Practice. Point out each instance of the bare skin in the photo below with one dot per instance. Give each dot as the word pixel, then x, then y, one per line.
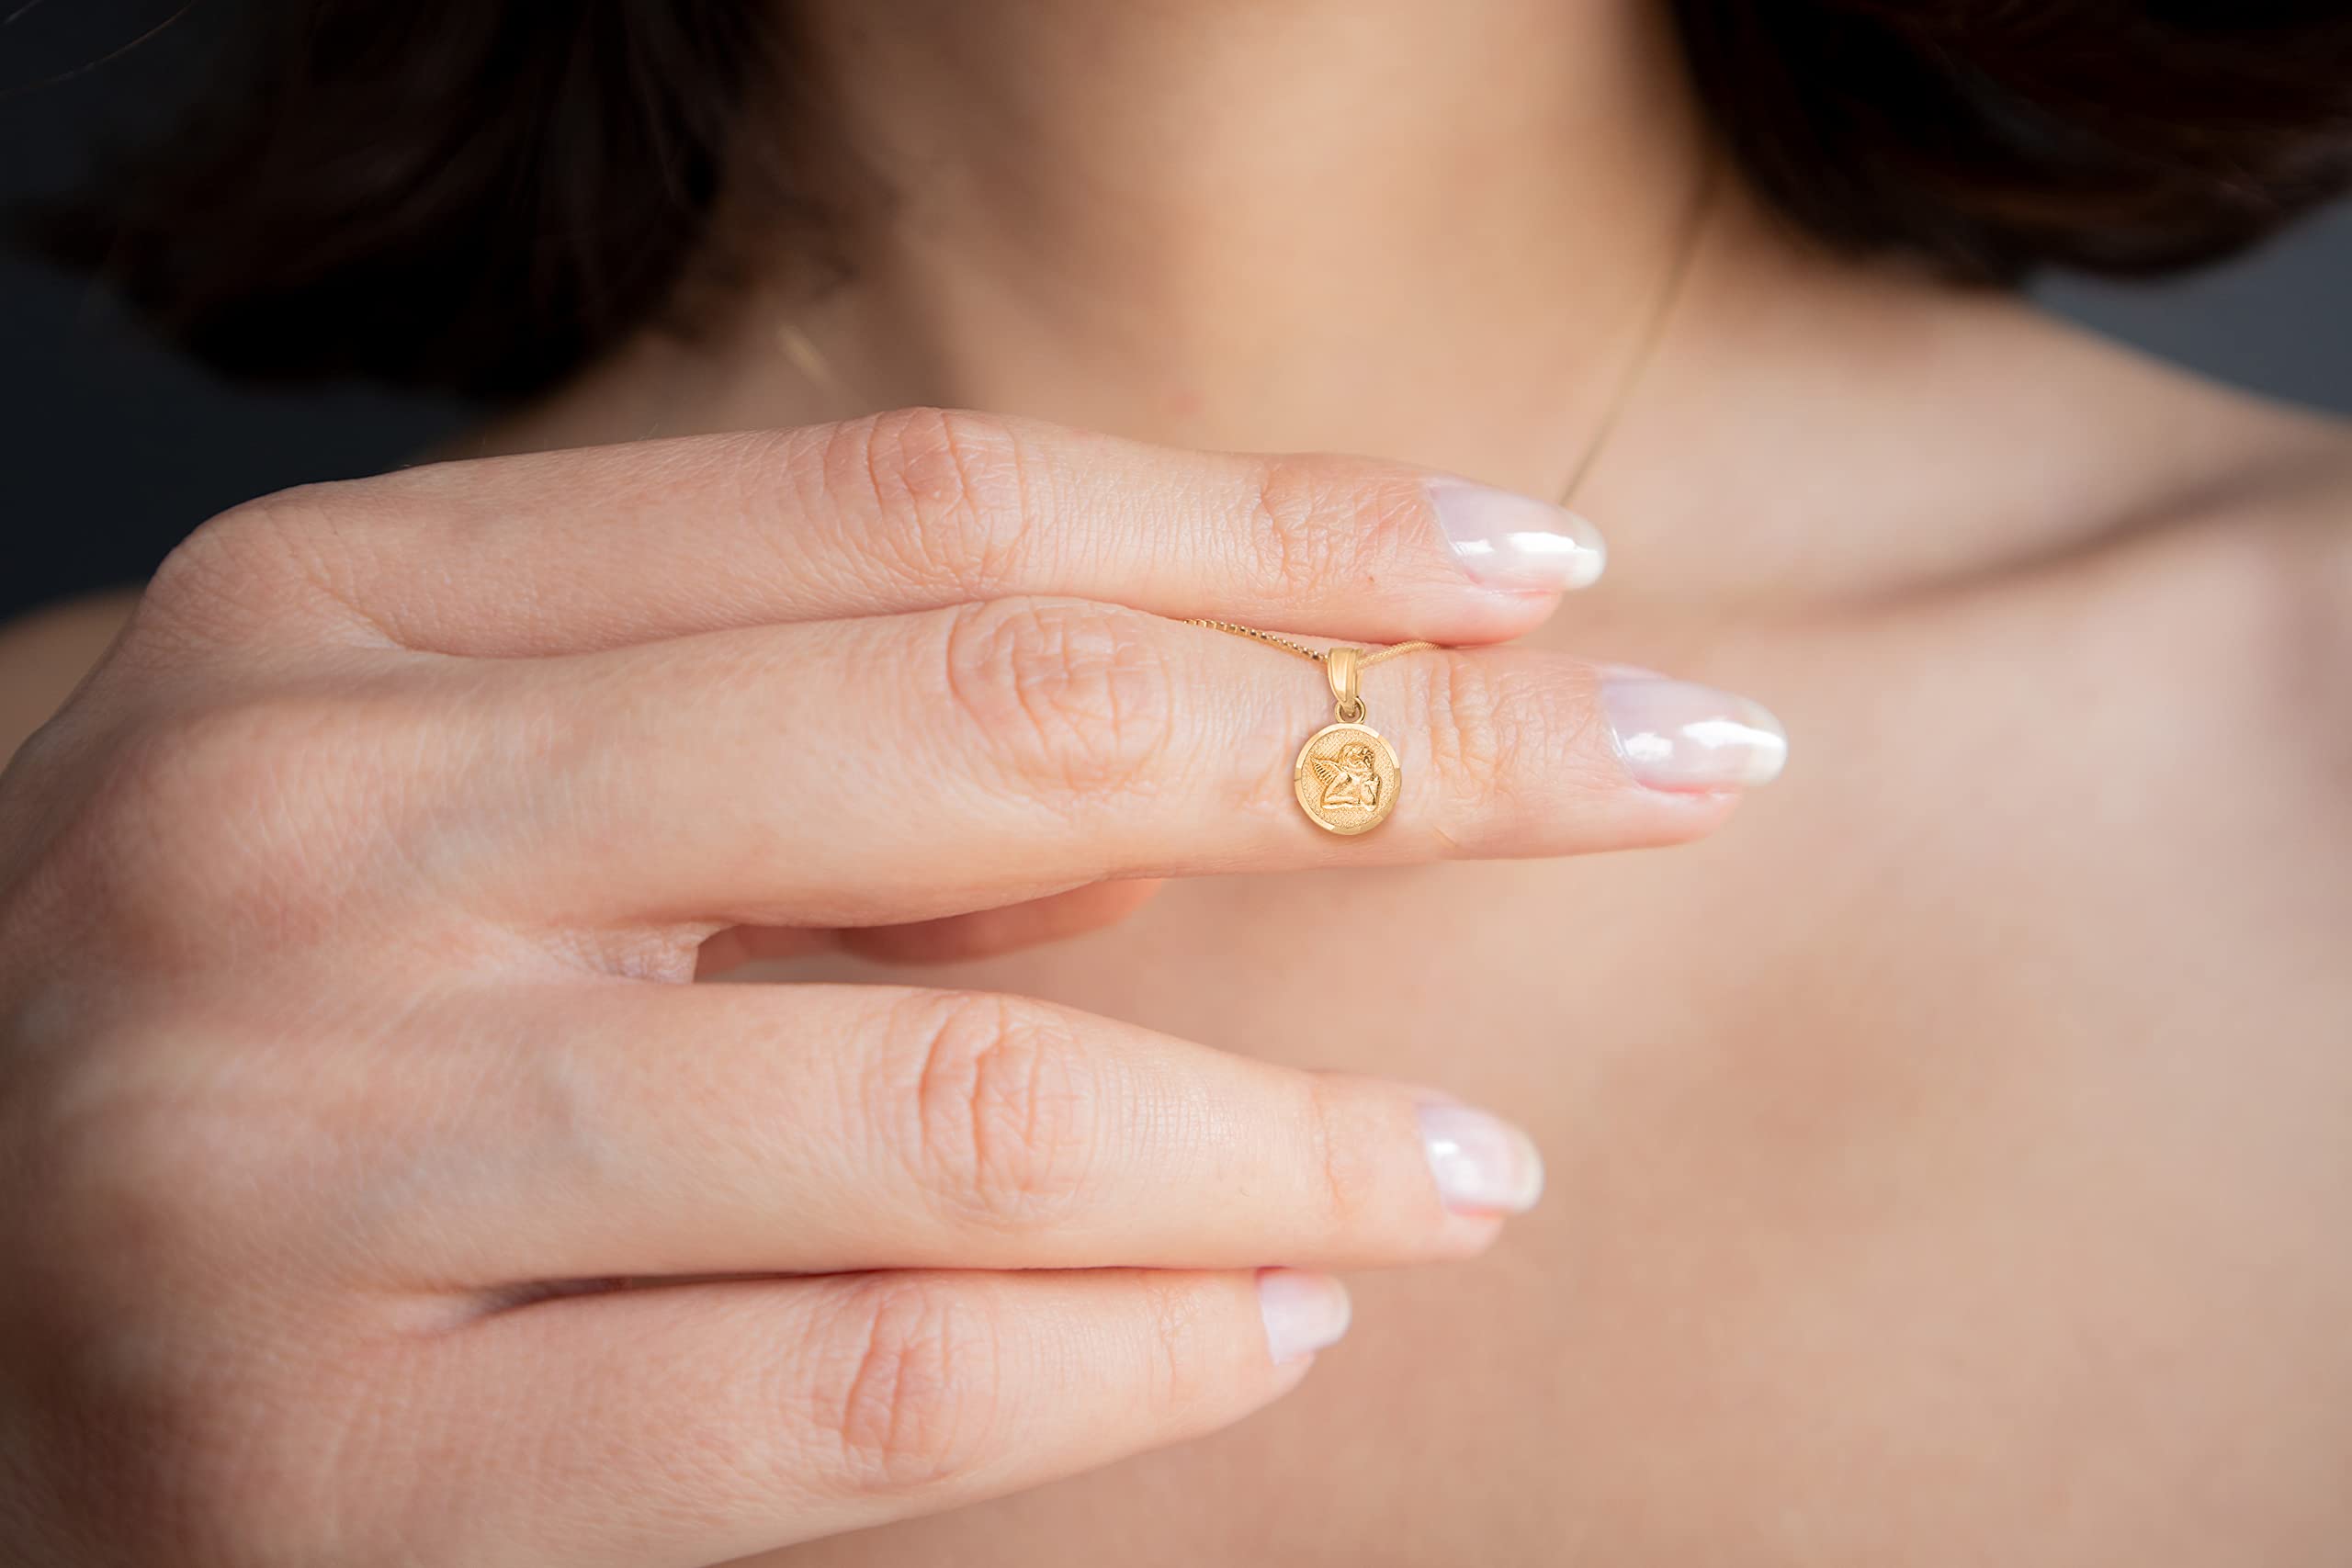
pixel 1949 1158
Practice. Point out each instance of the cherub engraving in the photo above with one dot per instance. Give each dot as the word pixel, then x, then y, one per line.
pixel 1349 778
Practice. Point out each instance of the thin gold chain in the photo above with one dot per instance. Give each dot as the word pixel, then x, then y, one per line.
pixel 811 362
pixel 1371 657
pixel 1653 323
pixel 1645 343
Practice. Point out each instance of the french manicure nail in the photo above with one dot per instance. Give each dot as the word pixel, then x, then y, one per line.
pixel 1303 1312
pixel 1509 541
pixel 1676 736
pixel 1483 1164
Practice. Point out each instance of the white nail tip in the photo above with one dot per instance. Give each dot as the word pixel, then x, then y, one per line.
pixel 1676 736
pixel 1508 541
pixel 1481 1163
pixel 1303 1312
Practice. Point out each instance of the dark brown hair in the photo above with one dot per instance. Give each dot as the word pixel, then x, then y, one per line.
pixel 477 195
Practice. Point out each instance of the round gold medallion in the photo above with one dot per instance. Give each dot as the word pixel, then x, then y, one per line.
pixel 1347 778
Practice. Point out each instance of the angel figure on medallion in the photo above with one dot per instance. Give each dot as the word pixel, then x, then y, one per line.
pixel 1349 778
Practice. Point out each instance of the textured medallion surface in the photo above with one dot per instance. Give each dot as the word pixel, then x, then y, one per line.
pixel 1347 778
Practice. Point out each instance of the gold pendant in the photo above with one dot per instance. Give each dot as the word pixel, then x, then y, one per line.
pixel 1347 777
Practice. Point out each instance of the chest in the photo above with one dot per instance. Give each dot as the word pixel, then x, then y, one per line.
pixel 1795 1088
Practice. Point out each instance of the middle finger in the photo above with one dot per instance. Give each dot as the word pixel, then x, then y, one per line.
pixel 897 769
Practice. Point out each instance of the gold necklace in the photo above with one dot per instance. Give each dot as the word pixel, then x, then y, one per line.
pixel 1347 777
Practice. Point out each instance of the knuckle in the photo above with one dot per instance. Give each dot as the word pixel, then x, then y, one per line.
pixel 200 759
pixel 1348 1174
pixel 952 490
pixel 238 809
pixel 999 1104
pixel 1068 697
pixel 237 1464
pixel 1469 736
pixel 213 569
pixel 145 1274
pixel 915 1386
pixel 143 1189
pixel 1184 1377
pixel 218 766
pixel 236 575
pixel 1479 730
pixel 154 1283
pixel 1322 525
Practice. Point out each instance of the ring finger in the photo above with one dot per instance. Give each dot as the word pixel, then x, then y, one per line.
pixel 637 1130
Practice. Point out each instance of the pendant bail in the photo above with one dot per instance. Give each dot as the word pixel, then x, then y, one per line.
pixel 1341 667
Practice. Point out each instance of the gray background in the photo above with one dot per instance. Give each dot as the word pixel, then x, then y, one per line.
pixel 113 449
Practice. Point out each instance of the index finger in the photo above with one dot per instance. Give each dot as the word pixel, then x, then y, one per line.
pixel 919 509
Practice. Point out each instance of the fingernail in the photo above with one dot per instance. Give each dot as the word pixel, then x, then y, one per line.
pixel 1303 1312
pixel 1676 736
pixel 1509 541
pixel 1483 1164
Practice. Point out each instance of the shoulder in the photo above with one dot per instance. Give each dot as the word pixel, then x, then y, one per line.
pixel 44 656
pixel 2192 541
pixel 2166 643
pixel 2141 751
pixel 2209 644
pixel 2241 591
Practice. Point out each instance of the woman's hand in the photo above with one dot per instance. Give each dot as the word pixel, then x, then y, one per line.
pixel 376 1192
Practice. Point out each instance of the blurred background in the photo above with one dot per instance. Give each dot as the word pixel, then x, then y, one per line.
pixel 113 449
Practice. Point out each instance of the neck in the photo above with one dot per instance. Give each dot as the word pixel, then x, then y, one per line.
pixel 1426 231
